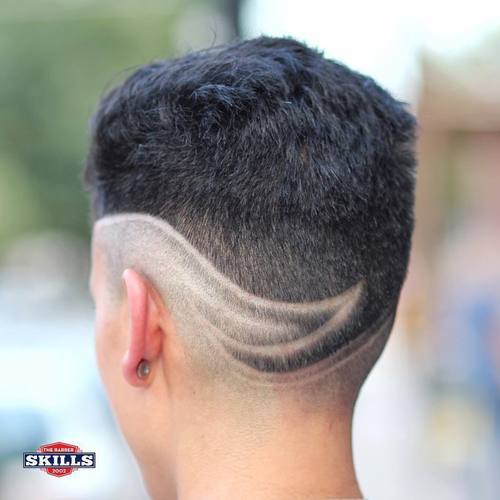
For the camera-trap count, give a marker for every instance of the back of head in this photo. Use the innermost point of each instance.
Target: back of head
(267, 192)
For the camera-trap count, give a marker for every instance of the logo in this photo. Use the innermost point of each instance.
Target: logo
(59, 459)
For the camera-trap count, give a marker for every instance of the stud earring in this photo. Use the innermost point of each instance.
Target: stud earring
(143, 369)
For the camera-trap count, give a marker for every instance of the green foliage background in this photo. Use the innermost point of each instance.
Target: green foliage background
(56, 59)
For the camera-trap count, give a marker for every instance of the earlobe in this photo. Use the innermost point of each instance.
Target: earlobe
(143, 330)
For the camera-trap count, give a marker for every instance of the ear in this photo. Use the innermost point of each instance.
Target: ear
(145, 332)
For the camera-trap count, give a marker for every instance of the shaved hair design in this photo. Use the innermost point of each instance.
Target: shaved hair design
(265, 335)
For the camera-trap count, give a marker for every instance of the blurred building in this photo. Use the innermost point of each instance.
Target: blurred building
(455, 273)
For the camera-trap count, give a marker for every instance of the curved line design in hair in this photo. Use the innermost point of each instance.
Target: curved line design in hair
(269, 336)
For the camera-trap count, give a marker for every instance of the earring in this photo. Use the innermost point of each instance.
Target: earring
(143, 369)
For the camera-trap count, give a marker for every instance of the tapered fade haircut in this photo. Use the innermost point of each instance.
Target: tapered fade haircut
(292, 174)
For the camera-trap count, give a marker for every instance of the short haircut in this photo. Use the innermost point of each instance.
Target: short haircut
(292, 174)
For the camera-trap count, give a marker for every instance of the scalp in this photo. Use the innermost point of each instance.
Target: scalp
(290, 174)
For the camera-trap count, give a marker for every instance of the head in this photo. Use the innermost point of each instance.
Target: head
(253, 210)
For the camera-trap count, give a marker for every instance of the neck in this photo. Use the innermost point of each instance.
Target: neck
(298, 456)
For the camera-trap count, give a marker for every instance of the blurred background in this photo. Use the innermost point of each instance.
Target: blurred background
(428, 421)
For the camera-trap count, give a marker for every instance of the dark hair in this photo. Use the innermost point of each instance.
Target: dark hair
(292, 173)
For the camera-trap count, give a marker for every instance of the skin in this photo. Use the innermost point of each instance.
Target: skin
(199, 434)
